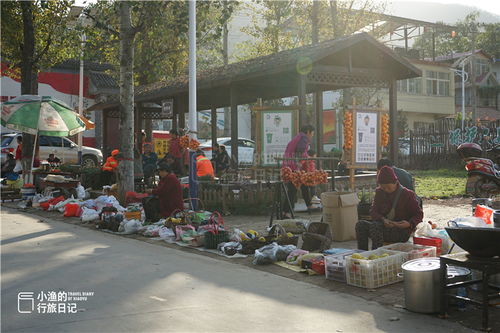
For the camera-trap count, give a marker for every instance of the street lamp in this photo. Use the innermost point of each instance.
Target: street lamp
(463, 74)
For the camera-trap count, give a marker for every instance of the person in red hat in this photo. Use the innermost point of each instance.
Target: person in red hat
(395, 213)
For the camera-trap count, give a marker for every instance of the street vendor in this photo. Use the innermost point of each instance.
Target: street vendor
(297, 148)
(175, 149)
(169, 191)
(404, 176)
(395, 213)
(204, 167)
(108, 169)
(149, 160)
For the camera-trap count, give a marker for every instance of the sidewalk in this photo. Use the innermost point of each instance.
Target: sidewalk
(392, 295)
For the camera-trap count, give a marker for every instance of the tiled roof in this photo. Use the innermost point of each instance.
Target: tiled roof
(88, 65)
(102, 80)
(267, 64)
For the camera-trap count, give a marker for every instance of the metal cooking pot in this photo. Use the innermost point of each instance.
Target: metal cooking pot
(422, 283)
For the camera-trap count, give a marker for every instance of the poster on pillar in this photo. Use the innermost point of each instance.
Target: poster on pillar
(329, 126)
(366, 137)
(278, 127)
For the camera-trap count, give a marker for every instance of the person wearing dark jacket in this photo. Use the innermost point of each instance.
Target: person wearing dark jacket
(223, 160)
(404, 177)
(9, 165)
(395, 213)
(169, 191)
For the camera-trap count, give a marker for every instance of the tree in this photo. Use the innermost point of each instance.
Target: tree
(461, 41)
(127, 35)
(34, 36)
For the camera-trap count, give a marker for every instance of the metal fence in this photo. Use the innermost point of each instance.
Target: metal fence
(433, 146)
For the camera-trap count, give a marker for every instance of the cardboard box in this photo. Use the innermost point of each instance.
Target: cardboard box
(340, 210)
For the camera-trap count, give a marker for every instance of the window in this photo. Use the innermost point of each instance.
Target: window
(6, 140)
(438, 83)
(410, 86)
(44, 141)
(481, 66)
(56, 141)
(245, 144)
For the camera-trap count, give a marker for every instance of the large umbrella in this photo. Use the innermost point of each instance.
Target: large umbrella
(41, 115)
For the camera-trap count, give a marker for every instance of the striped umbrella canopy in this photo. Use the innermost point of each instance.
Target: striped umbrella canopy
(42, 115)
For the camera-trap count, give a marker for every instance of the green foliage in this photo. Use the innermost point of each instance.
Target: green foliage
(282, 25)
(161, 43)
(486, 38)
(442, 183)
(54, 42)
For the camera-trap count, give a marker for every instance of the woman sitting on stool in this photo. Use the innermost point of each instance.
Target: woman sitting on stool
(395, 213)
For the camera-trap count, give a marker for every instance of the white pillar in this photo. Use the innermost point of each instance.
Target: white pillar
(192, 123)
(80, 97)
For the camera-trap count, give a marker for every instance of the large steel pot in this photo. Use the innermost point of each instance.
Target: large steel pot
(422, 283)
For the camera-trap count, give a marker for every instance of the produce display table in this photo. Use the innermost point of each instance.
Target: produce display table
(487, 266)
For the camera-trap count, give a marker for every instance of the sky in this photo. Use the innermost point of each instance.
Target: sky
(492, 6)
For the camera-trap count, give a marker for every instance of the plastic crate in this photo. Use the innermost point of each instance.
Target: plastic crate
(335, 265)
(429, 241)
(414, 251)
(377, 272)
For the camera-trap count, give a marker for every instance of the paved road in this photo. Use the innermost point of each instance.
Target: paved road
(142, 287)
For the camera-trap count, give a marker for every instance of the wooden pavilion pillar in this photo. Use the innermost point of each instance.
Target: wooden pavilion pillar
(318, 105)
(302, 100)
(182, 118)
(393, 121)
(234, 128)
(148, 128)
(138, 126)
(175, 114)
(105, 134)
(213, 117)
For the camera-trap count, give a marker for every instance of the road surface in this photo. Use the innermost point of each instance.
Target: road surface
(131, 285)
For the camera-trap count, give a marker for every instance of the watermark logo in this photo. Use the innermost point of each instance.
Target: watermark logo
(25, 302)
(51, 301)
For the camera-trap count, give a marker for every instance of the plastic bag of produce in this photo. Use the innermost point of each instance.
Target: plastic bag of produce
(266, 254)
(130, 226)
(283, 252)
(295, 256)
(89, 214)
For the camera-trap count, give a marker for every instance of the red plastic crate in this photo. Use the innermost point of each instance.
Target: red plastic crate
(318, 265)
(429, 241)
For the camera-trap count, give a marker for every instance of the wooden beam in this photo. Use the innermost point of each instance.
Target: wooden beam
(382, 74)
(393, 121)
(234, 128)
(302, 100)
(213, 117)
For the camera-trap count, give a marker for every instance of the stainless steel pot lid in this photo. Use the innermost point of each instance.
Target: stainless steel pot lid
(455, 271)
(421, 265)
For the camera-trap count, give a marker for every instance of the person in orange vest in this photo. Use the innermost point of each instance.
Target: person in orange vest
(204, 167)
(108, 169)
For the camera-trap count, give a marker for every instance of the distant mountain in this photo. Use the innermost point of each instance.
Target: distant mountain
(433, 12)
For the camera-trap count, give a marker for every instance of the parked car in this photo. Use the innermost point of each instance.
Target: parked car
(246, 149)
(63, 148)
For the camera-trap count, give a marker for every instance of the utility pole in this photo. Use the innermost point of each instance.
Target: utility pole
(225, 57)
(473, 73)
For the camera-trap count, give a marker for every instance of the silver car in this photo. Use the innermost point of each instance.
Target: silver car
(63, 148)
(246, 149)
